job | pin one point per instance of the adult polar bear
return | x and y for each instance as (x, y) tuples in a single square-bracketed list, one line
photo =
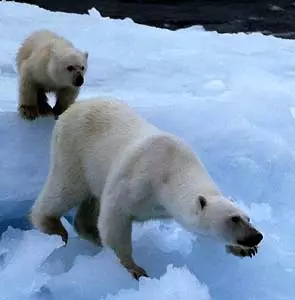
[(116, 167), (47, 62)]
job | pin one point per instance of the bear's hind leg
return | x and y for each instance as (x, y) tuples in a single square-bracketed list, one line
[(50, 225), (56, 198), (86, 220)]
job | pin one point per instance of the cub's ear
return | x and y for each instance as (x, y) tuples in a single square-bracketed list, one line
[(86, 54), (202, 202), (54, 55)]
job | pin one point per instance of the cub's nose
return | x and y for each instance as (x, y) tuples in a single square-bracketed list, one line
[(78, 81), (252, 240)]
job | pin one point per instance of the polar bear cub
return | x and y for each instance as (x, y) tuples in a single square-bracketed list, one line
[(117, 168), (47, 62)]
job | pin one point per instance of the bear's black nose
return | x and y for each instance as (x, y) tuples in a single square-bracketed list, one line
[(252, 240), (79, 80)]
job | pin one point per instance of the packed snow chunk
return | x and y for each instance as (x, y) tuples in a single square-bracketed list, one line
[(175, 284), (215, 86), (24, 160), (93, 12), (157, 244), (91, 275), (21, 255), (167, 236)]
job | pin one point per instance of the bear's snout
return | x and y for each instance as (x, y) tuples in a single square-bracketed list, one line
[(251, 240), (78, 81)]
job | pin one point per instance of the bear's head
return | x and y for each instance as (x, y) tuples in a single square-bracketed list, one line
[(189, 195), (67, 67), (222, 218)]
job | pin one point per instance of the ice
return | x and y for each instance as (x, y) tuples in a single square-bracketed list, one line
[(231, 97), (22, 252), (215, 86), (186, 286)]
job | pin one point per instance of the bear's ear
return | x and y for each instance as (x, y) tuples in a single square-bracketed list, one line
[(86, 54), (202, 201)]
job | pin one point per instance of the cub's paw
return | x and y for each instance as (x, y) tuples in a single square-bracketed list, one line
[(241, 251), (28, 112), (58, 110)]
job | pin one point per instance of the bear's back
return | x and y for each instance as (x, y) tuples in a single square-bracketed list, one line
[(96, 132), (100, 116), (107, 124)]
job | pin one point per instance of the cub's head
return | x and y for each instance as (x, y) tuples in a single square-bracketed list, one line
[(67, 67), (222, 218)]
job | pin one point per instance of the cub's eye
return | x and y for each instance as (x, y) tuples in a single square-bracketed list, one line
[(82, 68), (235, 219), (70, 68)]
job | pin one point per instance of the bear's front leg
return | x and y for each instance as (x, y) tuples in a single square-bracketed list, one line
[(115, 230), (27, 101), (241, 251)]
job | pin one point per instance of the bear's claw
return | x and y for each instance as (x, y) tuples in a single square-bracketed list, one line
[(137, 272), (241, 251), (134, 270)]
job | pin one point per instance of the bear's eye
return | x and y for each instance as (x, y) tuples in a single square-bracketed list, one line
[(82, 68), (70, 68), (203, 202), (235, 219)]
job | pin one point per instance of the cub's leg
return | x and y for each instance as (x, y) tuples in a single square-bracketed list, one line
[(64, 98), (43, 106)]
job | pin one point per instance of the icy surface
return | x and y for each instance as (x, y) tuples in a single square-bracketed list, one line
[(230, 96)]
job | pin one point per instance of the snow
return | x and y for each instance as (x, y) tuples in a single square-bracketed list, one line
[(230, 96)]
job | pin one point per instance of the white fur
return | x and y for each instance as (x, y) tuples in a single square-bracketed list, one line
[(102, 150), (42, 62)]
